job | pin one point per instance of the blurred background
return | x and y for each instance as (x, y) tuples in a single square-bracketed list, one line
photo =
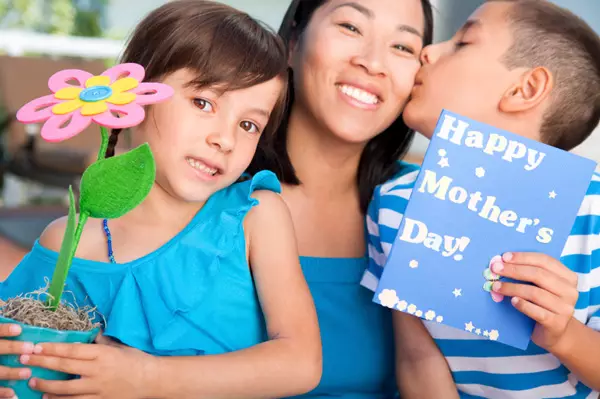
[(39, 37)]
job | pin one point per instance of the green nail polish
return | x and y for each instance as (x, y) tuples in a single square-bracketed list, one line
[(488, 286)]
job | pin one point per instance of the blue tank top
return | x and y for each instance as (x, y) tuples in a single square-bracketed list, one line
[(195, 295), (357, 335)]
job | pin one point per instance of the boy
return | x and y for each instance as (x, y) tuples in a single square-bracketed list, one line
[(532, 68)]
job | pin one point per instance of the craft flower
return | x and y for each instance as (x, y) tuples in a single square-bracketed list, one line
[(113, 99)]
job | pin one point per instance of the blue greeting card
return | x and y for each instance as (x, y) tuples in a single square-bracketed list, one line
[(481, 192)]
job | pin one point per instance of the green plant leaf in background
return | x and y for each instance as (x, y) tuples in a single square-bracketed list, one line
[(112, 187), (65, 257)]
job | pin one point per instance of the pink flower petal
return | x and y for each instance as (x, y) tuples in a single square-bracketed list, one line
[(148, 93), (63, 127), (122, 70), (59, 79), (37, 110), (129, 115)]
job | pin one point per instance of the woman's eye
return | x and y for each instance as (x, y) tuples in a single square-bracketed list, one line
[(249, 127), (203, 104), (404, 49), (349, 27)]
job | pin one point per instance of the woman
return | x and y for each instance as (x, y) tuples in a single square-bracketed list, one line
[(353, 67)]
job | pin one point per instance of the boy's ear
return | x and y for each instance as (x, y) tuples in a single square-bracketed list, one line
[(531, 90)]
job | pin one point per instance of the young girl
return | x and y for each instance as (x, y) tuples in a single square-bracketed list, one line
[(207, 264)]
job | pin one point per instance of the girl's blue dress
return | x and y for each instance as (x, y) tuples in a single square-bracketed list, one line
[(195, 295)]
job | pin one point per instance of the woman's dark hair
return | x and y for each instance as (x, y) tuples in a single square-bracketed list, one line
[(225, 47), (378, 160)]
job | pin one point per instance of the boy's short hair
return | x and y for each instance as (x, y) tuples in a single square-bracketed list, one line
[(545, 34)]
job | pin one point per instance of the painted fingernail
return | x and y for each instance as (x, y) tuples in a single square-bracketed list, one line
[(32, 382), (496, 286), (514, 300), (25, 373), (487, 286), (37, 349), (507, 256), (498, 267), (24, 359), (15, 329), (489, 275), (497, 297), (27, 347), (497, 258)]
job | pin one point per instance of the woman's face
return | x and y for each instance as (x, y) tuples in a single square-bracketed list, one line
[(355, 63)]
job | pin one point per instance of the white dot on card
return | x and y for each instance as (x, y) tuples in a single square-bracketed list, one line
[(536, 222), (413, 264), (480, 172), (442, 153), (458, 257)]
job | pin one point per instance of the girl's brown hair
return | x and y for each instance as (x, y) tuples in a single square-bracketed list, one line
[(227, 48)]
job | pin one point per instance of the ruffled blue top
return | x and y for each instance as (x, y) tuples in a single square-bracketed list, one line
[(193, 296)]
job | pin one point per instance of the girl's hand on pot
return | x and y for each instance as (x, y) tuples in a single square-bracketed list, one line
[(107, 371), (11, 347)]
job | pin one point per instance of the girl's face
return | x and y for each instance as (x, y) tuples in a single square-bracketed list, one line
[(355, 63), (203, 140)]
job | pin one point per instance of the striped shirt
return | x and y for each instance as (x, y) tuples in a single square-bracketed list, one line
[(480, 367)]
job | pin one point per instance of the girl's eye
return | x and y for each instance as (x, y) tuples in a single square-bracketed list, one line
[(458, 45), (249, 127), (404, 49), (349, 27), (203, 104)]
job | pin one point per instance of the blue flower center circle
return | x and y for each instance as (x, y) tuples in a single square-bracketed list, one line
[(95, 93)]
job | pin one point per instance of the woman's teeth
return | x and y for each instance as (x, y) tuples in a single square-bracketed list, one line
[(358, 94), (201, 166)]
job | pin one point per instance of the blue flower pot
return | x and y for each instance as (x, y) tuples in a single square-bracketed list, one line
[(38, 335)]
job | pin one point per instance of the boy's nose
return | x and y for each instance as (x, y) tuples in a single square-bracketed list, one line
[(427, 55)]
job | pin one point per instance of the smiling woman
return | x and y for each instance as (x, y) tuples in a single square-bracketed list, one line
[(353, 65)]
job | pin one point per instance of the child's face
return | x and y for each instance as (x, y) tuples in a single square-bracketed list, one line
[(466, 74), (203, 141)]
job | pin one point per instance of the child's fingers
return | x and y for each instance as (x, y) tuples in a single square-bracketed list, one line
[(541, 277), (535, 295), (70, 388), (70, 366), (537, 313), (7, 393), (543, 261), (13, 374), (10, 330), (9, 347), (71, 351)]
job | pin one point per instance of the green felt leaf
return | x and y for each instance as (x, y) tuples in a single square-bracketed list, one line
[(65, 256), (112, 187)]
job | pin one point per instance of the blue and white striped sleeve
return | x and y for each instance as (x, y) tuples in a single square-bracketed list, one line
[(594, 220), (383, 220)]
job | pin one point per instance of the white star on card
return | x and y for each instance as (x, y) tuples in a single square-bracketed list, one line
[(480, 172), (494, 335), (457, 292), (478, 331), (442, 153), (486, 333), (444, 162), (552, 194), (469, 326)]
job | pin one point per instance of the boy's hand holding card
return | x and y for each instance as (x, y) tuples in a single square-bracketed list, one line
[(481, 193)]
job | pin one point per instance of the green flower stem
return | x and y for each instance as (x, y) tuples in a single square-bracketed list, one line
[(61, 272), (104, 144)]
